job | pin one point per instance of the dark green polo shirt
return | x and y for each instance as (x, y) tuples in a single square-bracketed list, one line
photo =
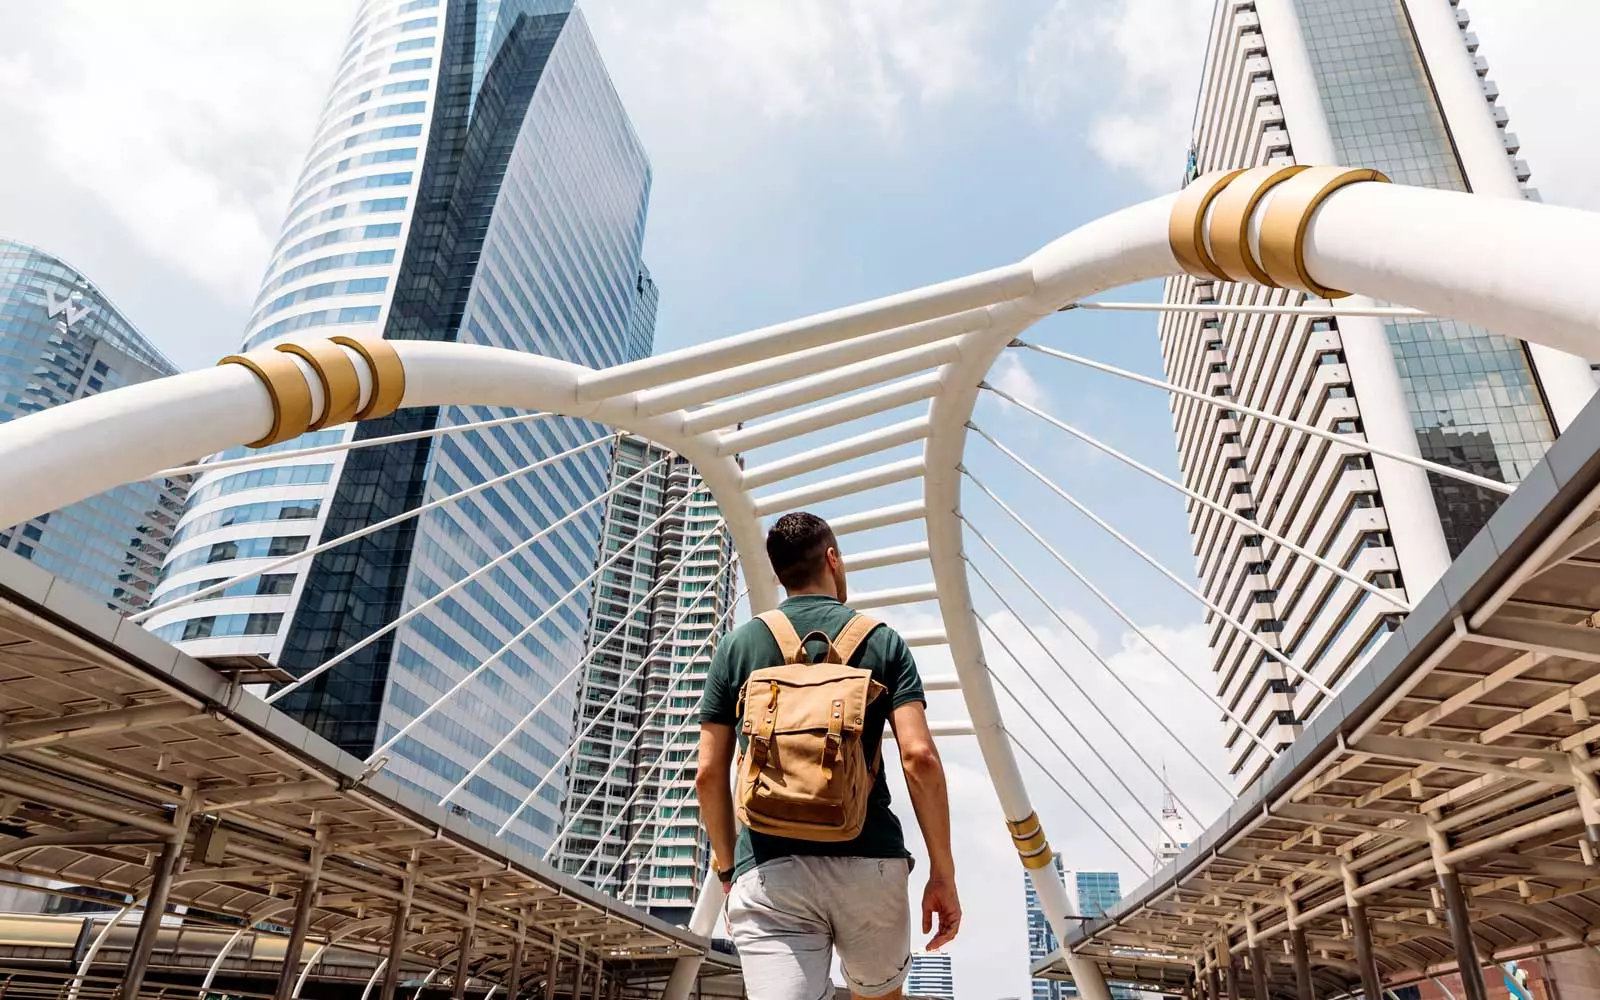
[(749, 648)]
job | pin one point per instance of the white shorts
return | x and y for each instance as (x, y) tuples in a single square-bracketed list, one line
[(786, 916)]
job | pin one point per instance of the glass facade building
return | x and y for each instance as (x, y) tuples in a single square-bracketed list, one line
[(61, 339), (1097, 892), (1042, 941), (932, 976), (1472, 394), (634, 825), (474, 179), (1398, 86)]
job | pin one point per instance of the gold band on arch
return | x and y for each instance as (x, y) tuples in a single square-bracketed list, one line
[(1209, 229), (289, 387), (1028, 836)]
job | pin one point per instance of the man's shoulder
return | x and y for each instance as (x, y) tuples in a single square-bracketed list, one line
[(751, 634)]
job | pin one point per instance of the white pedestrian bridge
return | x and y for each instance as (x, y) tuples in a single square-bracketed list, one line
[(1438, 814)]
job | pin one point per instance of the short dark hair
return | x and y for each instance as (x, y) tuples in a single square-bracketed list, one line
[(797, 545)]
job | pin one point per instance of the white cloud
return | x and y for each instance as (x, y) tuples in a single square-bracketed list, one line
[(1539, 53), (1011, 377), (1137, 63), (186, 119), (715, 60)]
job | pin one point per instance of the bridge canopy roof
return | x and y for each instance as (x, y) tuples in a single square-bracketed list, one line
[(1471, 719)]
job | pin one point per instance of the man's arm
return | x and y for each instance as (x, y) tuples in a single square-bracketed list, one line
[(715, 790), (925, 781)]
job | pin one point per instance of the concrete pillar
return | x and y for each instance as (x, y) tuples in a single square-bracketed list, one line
[(1302, 965), (1566, 379), (464, 949), (302, 920), (1086, 973), (1460, 923), (397, 932), (553, 972), (1371, 986), (1258, 971), (155, 906), (1407, 496), (514, 980)]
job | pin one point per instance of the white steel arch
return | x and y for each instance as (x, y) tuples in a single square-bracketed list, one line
[(1513, 266)]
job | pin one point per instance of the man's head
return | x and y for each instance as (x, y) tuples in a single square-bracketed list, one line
[(805, 555)]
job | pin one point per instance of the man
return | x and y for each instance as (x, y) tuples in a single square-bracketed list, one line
[(791, 902)]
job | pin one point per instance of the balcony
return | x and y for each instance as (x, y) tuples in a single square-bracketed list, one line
[(1471, 38), (1491, 90), (1512, 143), (1501, 115), (1481, 65), (1524, 172)]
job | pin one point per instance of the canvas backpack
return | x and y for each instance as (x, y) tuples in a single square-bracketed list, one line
[(803, 773)]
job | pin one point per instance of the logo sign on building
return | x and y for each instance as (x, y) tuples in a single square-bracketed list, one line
[(68, 305)]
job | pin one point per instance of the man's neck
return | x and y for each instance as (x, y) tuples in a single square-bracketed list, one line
[(819, 590)]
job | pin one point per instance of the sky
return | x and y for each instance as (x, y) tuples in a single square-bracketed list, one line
[(807, 154)]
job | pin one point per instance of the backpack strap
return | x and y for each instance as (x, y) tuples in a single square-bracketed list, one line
[(783, 632), (853, 634)]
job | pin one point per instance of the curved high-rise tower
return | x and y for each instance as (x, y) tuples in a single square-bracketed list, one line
[(1397, 86), (473, 178), (62, 339)]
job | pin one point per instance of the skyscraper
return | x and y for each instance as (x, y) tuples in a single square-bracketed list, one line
[(931, 976), (635, 830), (474, 179), (61, 339), (1098, 892), (1175, 835), (1041, 939), (1397, 86)]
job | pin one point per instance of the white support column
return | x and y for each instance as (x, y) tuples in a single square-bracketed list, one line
[(1407, 497), (1567, 379)]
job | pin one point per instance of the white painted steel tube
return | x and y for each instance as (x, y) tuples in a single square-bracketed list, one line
[(1224, 309), (878, 517), (815, 418), (1408, 497), (261, 458), (893, 555), (971, 292), (444, 374), (67, 453), (824, 385), (757, 375), (1567, 381), (839, 486), (812, 459), (1128, 246), (1513, 266)]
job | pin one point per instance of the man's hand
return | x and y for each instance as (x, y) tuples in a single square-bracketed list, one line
[(940, 898)]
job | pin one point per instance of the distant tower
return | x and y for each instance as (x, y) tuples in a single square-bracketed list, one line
[(1041, 939), (1174, 832), (931, 977)]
